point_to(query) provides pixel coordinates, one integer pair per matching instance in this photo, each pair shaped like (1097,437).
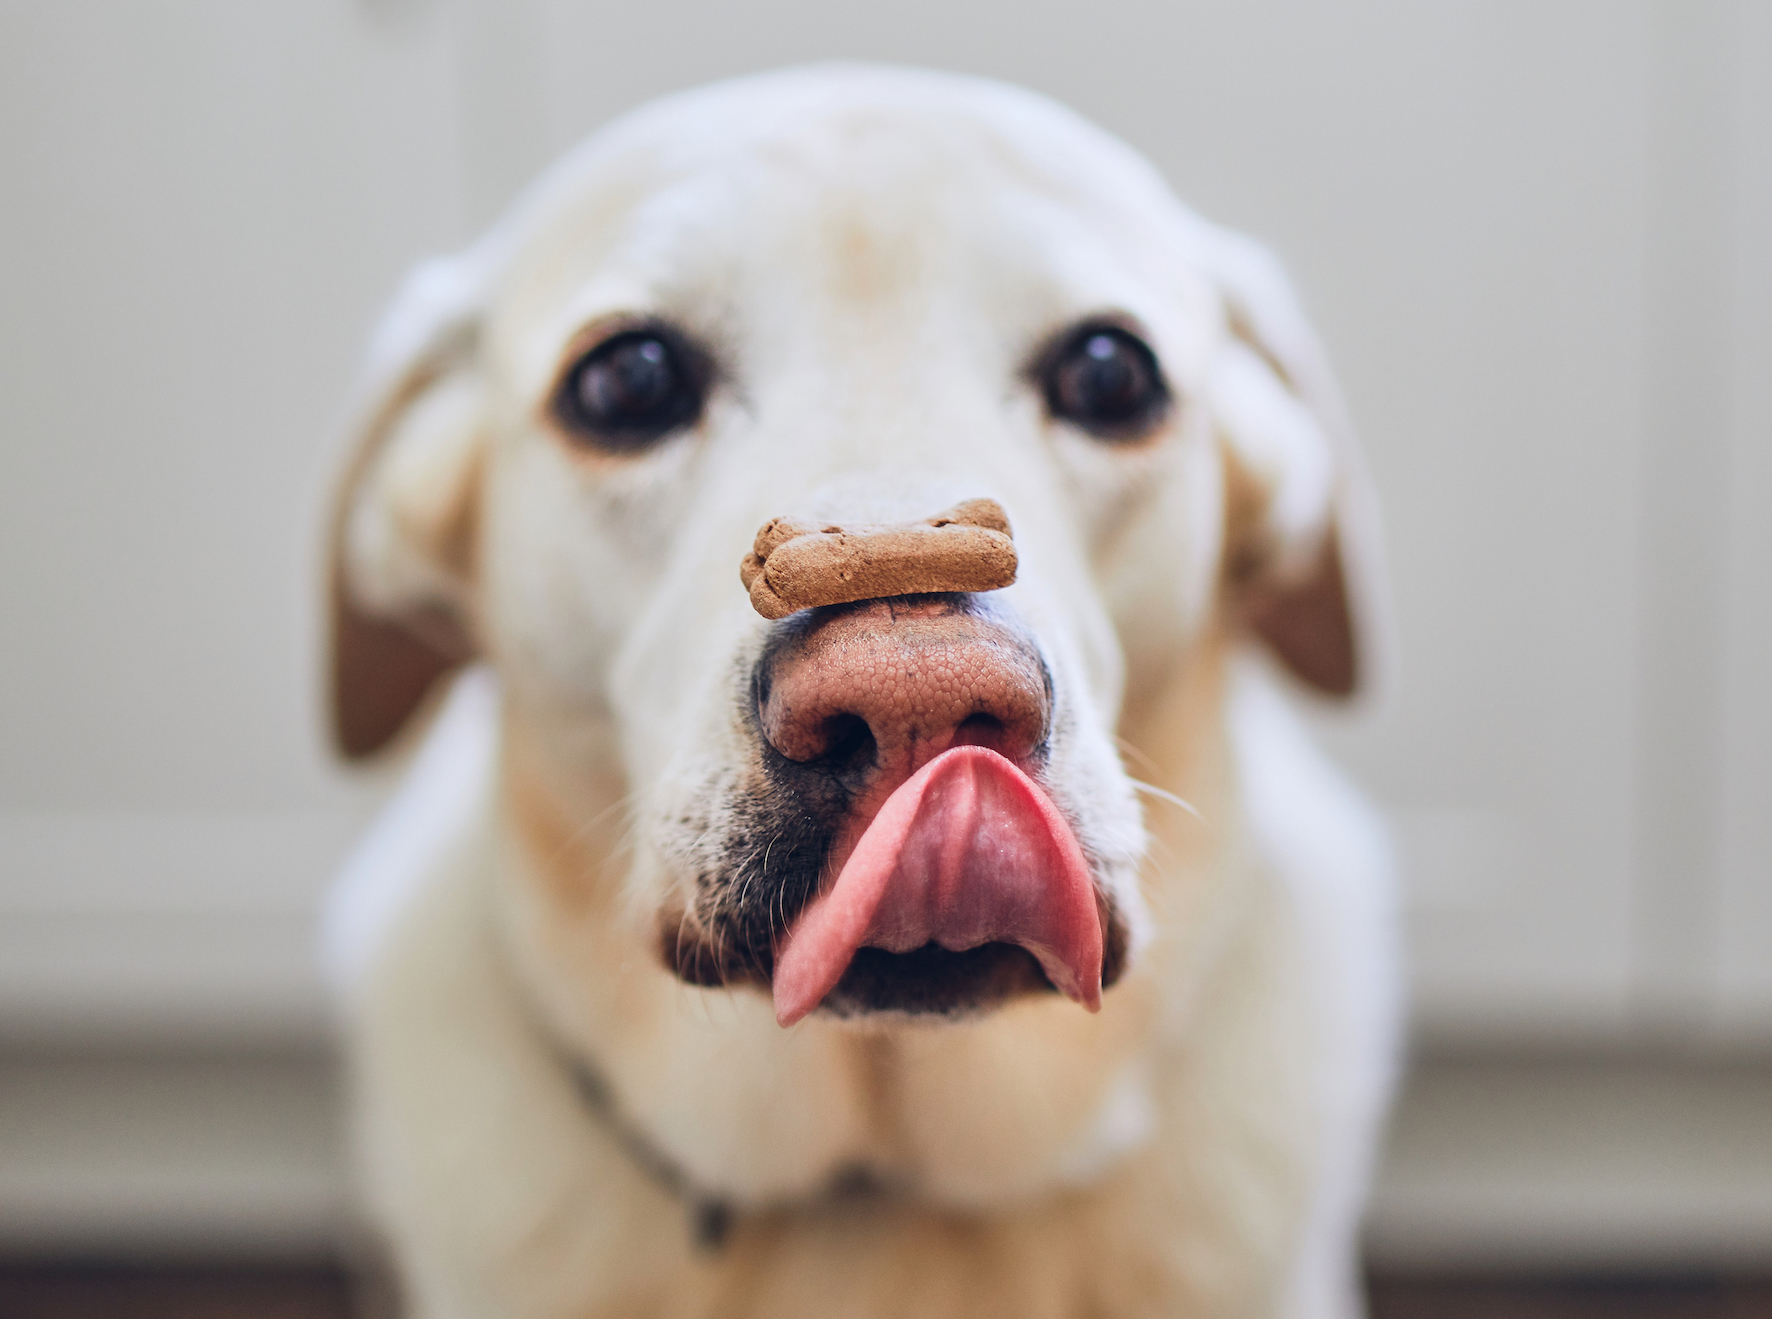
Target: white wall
(1538,238)
(204,205)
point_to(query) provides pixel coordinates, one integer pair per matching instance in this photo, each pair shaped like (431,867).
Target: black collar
(710,1214)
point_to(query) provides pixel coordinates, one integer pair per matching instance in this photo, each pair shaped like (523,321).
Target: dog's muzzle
(922,865)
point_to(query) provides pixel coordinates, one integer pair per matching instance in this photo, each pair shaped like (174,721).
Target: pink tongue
(967,851)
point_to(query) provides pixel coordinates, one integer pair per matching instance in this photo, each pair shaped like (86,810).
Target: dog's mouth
(933,981)
(966,853)
(967,888)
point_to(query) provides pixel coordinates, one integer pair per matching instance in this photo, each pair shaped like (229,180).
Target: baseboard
(203,1156)
(1504,1164)
(1623,1163)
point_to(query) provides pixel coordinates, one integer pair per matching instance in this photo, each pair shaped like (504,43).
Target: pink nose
(891,684)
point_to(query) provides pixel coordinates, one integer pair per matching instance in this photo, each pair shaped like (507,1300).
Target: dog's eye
(630,390)
(1106,380)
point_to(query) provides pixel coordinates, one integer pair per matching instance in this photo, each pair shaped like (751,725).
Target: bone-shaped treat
(797,565)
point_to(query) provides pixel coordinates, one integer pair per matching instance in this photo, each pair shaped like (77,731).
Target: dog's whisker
(621,803)
(585,828)
(1152,790)
(1130,751)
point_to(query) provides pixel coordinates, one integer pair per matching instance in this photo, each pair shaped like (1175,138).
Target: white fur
(877,253)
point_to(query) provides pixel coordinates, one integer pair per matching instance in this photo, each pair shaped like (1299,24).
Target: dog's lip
(969,850)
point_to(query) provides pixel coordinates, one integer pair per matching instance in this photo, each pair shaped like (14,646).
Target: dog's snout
(887,685)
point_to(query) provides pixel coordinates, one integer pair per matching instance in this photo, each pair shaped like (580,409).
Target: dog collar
(710,1215)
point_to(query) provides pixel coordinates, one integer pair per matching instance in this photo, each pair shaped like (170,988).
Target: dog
(922,950)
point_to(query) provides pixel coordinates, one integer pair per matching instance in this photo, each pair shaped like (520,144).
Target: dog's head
(848,296)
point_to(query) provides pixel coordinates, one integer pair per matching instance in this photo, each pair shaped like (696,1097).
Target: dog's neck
(709,1213)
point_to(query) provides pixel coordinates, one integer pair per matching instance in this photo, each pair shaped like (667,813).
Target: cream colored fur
(876,255)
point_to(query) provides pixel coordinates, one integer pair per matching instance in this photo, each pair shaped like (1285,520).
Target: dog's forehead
(843,186)
(815,133)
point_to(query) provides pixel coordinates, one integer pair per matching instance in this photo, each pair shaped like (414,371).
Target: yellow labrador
(938,952)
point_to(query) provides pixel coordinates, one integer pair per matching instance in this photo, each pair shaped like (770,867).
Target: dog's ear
(1302,559)
(402,538)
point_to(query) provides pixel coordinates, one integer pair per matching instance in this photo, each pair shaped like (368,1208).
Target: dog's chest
(1107,1251)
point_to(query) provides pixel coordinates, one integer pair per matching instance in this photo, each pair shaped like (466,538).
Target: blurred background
(1537,237)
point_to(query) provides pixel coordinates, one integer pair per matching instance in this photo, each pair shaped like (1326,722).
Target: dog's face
(843,296)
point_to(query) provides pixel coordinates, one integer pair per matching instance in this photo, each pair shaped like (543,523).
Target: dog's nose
(884,686)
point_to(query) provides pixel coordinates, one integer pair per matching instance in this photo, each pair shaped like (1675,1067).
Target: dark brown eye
(1106,380)
(631,390)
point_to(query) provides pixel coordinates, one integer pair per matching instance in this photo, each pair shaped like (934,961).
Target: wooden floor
(1570,1298)
(110,1292)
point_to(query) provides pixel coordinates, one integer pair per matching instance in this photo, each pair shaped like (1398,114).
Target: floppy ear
(1302,557)
(401,546)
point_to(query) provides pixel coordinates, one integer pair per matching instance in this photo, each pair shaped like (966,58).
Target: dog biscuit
(796,564)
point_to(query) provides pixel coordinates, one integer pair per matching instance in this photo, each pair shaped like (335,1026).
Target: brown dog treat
(771,534)
(986,513)
(798,565)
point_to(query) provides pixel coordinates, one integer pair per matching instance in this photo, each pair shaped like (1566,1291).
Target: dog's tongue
(967,851)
